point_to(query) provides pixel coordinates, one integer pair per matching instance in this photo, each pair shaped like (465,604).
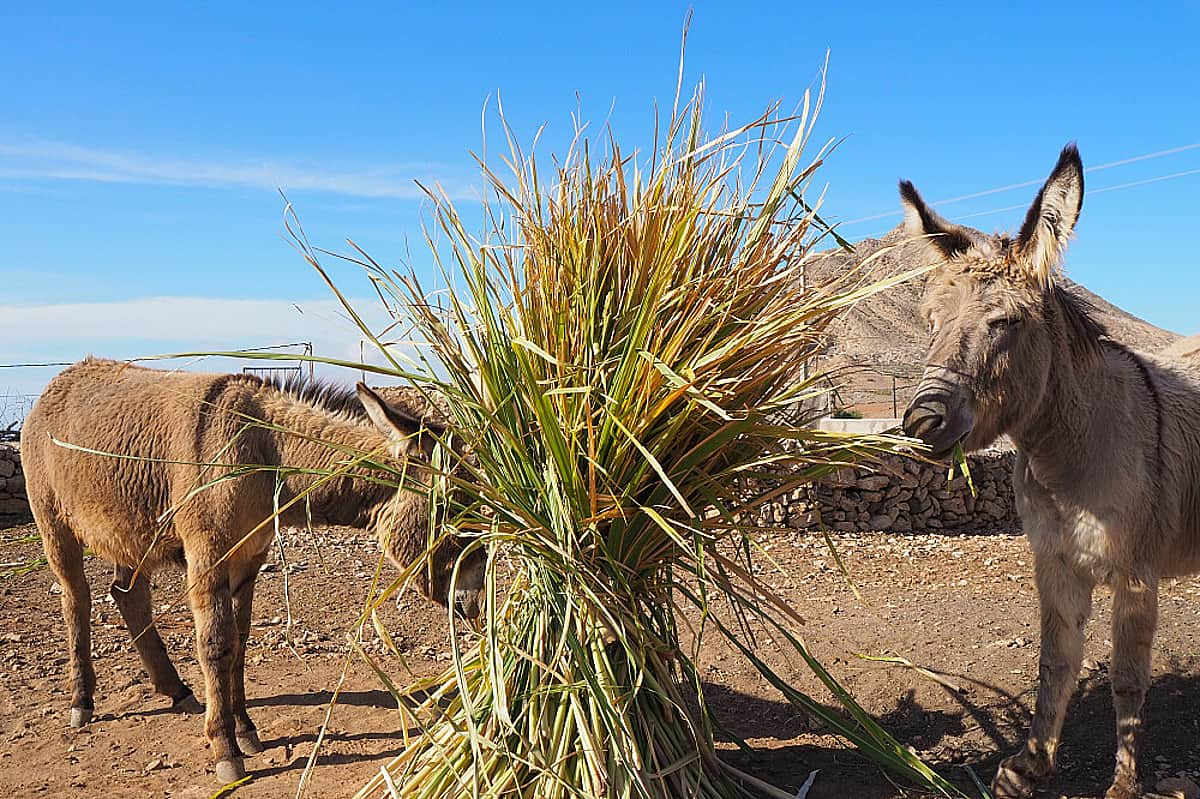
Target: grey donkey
(1107,476)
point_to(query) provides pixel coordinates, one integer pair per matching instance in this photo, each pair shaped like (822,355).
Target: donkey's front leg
(1135,614)
(1065,598)
(216,635)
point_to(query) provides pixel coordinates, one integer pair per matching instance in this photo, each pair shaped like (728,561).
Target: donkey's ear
(921,220)
(1052,217)
(395,424)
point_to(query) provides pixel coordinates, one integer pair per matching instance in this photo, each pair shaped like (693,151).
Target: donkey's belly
(128,539)
(1181,556)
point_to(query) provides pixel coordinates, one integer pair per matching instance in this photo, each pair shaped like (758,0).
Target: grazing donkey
(1108,441)
(162,506)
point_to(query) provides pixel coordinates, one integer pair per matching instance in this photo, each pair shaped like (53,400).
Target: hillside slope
(876,350)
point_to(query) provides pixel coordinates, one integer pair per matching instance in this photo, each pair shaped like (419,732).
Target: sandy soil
(964,606)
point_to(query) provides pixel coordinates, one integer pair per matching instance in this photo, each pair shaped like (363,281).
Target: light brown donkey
(1107,476)
(162,505)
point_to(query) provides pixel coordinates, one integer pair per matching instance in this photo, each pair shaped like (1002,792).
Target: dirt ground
(963,606)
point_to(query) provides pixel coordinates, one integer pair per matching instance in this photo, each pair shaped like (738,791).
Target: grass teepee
(618,351)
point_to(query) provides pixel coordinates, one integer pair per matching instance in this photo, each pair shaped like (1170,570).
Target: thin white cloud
(207,321)
(50,160)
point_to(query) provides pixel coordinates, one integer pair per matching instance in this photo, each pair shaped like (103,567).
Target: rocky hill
(876,349)
(1183,349)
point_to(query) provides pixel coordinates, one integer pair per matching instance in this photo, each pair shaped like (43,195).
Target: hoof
(1124,790)
(187,704)
(80,716)
(249,743)
(230,770)
(1011,784)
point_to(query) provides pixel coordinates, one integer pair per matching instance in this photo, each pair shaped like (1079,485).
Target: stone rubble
(895,494)
(14,507)
(902,495)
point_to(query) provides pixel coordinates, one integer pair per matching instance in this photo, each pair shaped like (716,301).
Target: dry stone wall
(897,494)
(903,495)
(14,507)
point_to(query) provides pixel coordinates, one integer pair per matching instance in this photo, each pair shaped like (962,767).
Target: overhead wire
(1026,183)
(1101,190)
(68,363)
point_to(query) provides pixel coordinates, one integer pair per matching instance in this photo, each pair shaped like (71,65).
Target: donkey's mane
(325,394)
(342,400)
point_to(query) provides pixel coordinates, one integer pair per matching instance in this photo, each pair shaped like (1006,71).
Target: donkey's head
(996,316)
(406,522)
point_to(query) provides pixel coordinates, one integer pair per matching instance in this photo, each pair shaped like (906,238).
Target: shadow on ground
(976,734)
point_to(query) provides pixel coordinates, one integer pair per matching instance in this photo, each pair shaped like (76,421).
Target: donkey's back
(161,427)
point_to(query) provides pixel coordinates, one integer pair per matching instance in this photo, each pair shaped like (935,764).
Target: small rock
(842,478)
(874,482)
(1178,788)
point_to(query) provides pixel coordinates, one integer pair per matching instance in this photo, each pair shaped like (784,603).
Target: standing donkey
(160,501)
(1107,477)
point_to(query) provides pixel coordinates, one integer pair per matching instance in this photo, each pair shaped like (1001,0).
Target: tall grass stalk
(620,352)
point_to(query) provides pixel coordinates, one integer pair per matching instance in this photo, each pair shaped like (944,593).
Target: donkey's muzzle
(923,421)
(939,420)
(466,603)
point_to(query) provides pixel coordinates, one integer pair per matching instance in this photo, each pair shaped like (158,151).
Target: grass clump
(620,354)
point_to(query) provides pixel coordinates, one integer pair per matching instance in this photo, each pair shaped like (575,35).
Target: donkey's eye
(1002,323)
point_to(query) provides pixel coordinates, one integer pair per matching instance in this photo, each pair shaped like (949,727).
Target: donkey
(166,504)
(1108,444)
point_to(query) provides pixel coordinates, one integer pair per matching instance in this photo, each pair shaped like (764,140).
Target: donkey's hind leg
(133,599)
(1135,615)
(64,553)
(243,600)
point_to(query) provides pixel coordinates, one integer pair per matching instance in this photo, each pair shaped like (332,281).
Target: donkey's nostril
(921,421)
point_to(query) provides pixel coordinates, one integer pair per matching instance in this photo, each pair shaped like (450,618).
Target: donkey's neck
(314,438)
(1087,420)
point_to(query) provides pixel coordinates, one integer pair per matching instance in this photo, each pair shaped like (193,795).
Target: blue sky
(140,149)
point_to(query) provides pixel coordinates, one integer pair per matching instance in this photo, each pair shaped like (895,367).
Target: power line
(32,365)
(306,344)
(1022,206)
(1026,183)
(1133,183)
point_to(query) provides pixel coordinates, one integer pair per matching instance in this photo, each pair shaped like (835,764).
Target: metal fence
(297,369)
(880,389)
(15,405)
(876,388)
(13,410)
